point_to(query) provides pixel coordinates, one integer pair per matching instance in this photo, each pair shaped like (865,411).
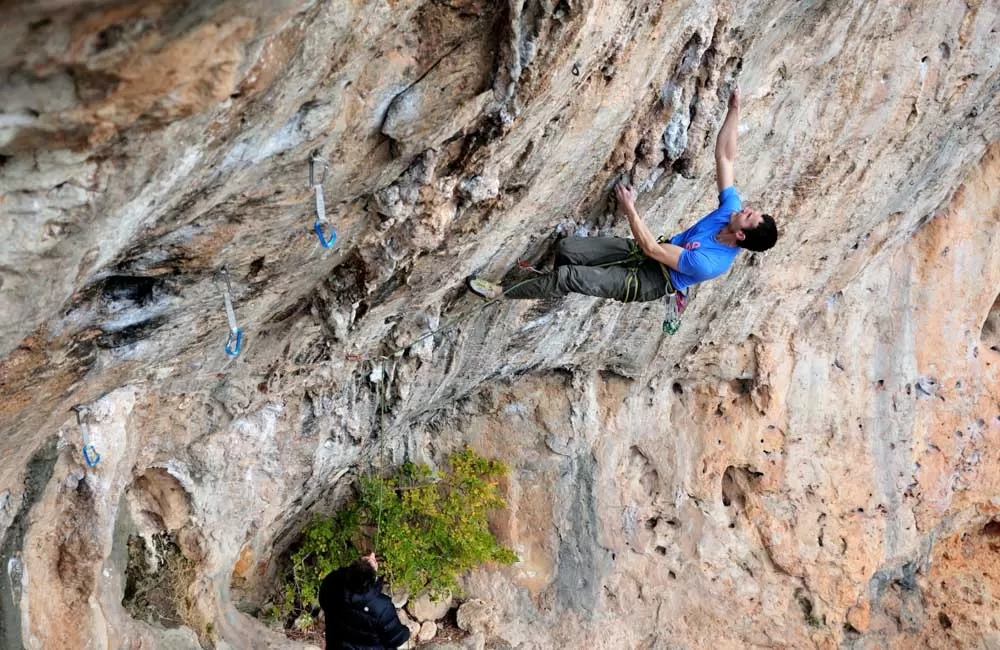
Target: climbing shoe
(484,288)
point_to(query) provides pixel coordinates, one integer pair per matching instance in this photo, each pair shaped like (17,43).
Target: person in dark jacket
(358,615)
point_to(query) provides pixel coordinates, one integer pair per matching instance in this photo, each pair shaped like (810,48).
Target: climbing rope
(90,455)
(317,184)
(234,343)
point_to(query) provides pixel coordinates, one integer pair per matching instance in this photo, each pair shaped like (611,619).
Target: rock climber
(642,268)
(358,615)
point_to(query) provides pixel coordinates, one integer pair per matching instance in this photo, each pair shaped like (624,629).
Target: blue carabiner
(323,241)
(238,340)
(91,460)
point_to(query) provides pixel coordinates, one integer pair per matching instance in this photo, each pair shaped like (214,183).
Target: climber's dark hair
(359,577)
(762,237)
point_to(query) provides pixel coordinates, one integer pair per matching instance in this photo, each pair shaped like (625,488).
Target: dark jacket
(365,621)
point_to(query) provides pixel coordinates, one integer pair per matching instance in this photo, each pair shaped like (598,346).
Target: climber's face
(745,219)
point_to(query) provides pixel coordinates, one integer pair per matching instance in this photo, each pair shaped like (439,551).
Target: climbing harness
(234,343)
(631,285)
(90,455)
(317,185)
(631,263)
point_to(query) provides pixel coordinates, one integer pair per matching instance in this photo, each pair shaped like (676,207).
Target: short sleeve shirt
(704,258)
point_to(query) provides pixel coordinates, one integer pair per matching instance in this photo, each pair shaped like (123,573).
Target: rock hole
(108,37)
(163,553)
(944,620)
(682,166)
(123,288)
(256,267)
(807,606)
(641,468)
(158,581)
(944,50)
(690,58)
(651,523)
(992,529)
(731,491)
(673,576)
(662,550)
(677,388)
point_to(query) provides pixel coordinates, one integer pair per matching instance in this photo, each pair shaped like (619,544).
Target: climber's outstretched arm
(663,253)
(725,144)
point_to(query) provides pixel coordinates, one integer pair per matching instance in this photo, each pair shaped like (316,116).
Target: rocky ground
(811,461)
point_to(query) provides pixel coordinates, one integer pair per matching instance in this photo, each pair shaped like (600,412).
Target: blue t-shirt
(703,257)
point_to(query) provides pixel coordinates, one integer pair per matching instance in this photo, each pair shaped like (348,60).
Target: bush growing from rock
(429,528)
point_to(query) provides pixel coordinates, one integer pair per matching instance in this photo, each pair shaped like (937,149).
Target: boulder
(425,608)
(476,615)
(411,625)
(428,630)
(399,599)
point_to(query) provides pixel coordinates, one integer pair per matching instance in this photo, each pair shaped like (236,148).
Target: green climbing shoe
(484,288)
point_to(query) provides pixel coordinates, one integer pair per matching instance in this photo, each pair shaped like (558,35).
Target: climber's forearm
(725,144)
(643,237)
(663,253)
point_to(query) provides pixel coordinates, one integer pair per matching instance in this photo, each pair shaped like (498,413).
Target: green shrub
(428,529)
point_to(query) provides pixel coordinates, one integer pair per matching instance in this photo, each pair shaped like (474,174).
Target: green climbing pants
(606,267)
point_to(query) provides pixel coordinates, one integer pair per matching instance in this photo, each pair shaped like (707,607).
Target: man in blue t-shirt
(643,268)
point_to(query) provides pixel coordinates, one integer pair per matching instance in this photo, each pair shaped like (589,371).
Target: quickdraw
(90,455)
(317,185)
(234,343)
(672,317)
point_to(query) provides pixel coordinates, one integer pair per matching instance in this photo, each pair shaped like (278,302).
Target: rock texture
(423,608)
(810,462)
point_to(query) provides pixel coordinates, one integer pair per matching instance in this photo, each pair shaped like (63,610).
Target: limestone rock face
(811,461)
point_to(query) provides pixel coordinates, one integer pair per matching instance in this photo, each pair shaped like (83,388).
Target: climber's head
(360,576)
(754,231)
